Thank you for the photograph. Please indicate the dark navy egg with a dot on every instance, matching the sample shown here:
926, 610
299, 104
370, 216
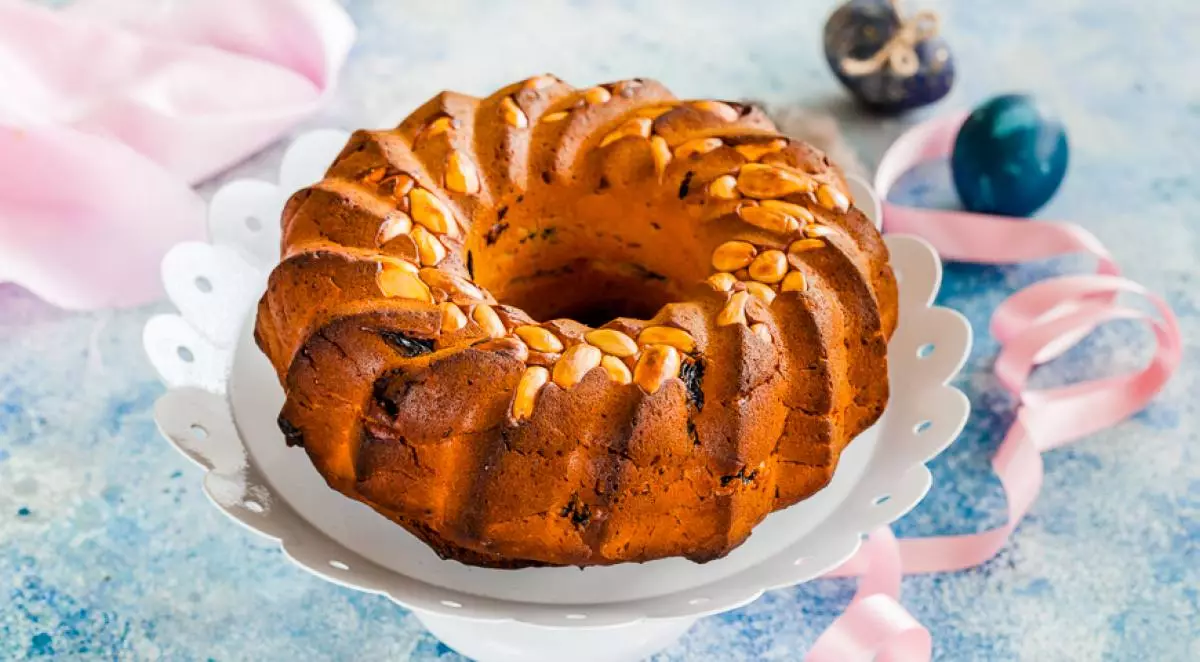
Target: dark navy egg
858, 30
1009, 157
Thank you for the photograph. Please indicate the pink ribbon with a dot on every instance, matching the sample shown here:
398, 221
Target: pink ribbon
110, 109
1033, 326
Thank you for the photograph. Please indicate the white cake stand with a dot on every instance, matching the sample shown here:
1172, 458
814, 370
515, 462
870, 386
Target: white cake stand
223, 399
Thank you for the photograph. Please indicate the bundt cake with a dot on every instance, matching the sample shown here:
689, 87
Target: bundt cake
578, 327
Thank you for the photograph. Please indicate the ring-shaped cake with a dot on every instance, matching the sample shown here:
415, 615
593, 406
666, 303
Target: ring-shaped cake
578, 327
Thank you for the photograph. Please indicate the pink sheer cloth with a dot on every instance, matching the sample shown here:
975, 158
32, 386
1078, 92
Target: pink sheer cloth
1033, 326
111, 109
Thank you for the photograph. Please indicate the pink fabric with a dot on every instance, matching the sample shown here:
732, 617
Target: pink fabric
110, 109
1033, 326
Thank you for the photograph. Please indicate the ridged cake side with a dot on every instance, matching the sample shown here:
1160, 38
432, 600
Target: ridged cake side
420, 322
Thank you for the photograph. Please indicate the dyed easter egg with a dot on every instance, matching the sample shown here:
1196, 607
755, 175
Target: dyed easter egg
888, 63
1009, 157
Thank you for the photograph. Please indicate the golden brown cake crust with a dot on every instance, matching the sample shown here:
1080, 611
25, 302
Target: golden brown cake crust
578, 327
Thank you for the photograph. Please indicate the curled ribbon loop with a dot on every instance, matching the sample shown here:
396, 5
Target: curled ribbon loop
875, 626
1033, 326
899, 53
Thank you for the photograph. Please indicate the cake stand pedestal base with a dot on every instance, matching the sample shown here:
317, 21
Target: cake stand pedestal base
510, 641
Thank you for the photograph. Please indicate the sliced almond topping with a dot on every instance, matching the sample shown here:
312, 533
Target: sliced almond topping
723, 110
697, 146
769, 267
508, 346
794, 282
733, 255
461, 174
532, 381
657, 364
555, 117
816, 231
431, 212
595, 95
453, 318
513, 115
547, 359
802, 246
832, 199
654, 112
798, 212
538, 338
762, 331
459, 289
768, 218
489, 321
667, 335
403, 265
611, 341
734, 311
436, 128
616, 369
722, 281
638, 126
576, 362
761, 291
724, 187
540, 82
397, 281
394, 224
755, 151
761, 180
429, 250
661, 153
374, 175
396, 186
469, 290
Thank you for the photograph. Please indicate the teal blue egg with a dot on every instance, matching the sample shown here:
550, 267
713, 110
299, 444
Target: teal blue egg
1010, 156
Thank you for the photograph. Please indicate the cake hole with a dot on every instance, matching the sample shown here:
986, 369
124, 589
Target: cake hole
253, 506
185, 354
576, 617
339, 565
584, 267
199, 432
697, 601
925, 351
253, 224
203, 284
922, 426
452, 604
800, 561
589, 291
882, 499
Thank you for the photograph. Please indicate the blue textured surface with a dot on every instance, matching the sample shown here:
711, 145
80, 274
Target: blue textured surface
109, 550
